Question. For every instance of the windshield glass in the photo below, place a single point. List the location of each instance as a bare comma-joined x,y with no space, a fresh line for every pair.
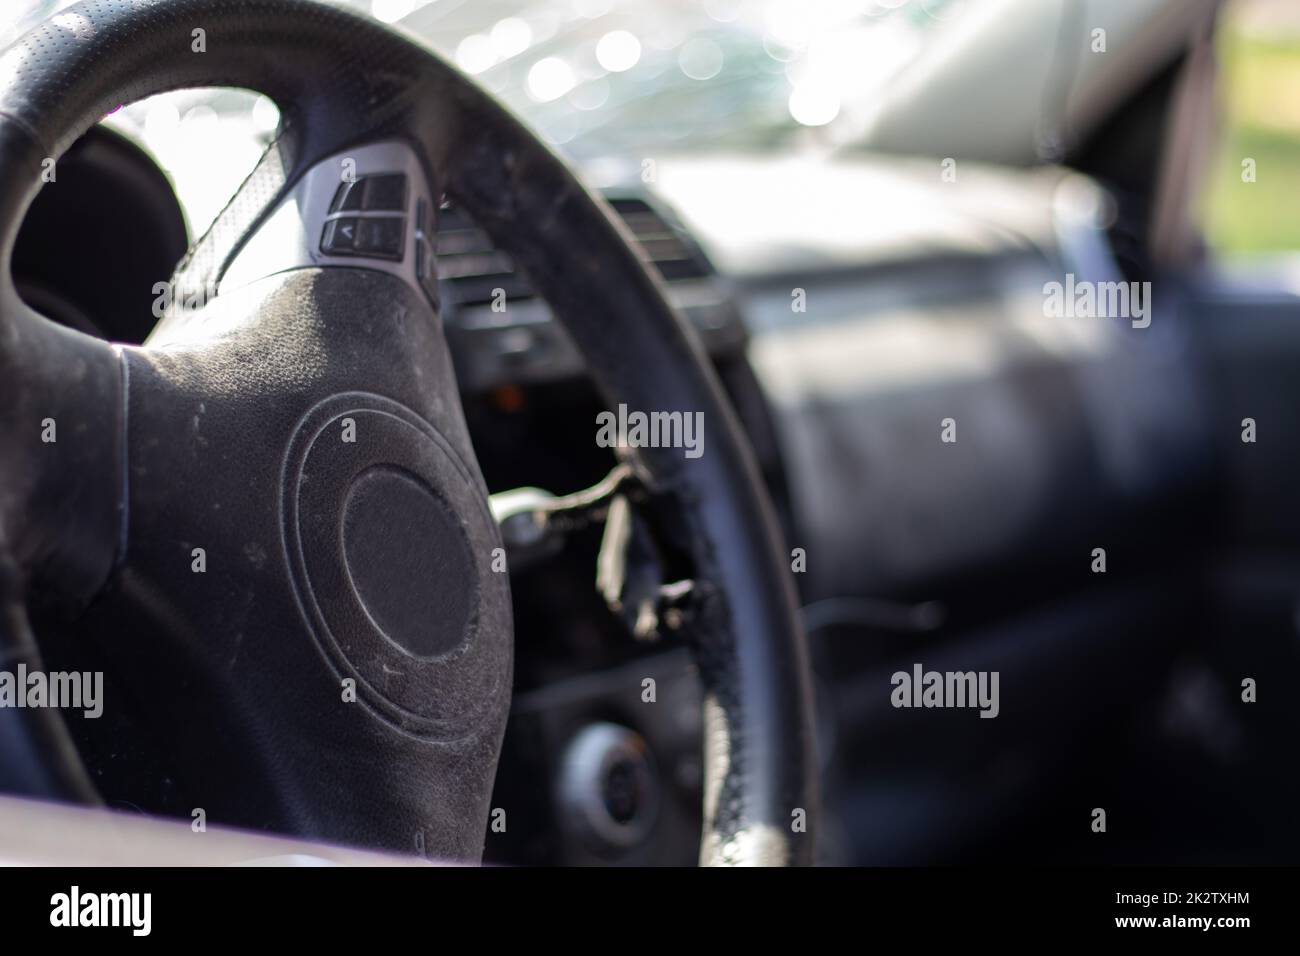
618,77
625,76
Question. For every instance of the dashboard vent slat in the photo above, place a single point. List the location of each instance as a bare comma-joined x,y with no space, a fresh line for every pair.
473,268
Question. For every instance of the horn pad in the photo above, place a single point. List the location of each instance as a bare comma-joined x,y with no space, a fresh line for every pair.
405,549
399,591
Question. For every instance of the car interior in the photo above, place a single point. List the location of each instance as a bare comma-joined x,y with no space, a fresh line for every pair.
565,653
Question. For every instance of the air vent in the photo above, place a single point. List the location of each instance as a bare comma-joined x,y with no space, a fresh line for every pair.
660,244
470,265
473,268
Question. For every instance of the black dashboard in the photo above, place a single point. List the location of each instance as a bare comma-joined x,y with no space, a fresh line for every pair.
845,346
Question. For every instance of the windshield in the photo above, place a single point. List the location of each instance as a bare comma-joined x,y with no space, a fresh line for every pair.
619,77
626,76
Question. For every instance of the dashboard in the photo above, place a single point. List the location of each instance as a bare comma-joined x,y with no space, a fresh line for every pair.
850,311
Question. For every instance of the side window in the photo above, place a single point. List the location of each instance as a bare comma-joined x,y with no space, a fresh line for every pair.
1251,202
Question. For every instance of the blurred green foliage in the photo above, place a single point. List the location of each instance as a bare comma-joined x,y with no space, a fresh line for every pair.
1259,115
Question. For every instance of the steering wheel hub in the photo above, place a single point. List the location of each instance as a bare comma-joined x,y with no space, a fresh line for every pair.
394,589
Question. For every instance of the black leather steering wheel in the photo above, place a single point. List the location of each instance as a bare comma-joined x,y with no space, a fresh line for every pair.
278,491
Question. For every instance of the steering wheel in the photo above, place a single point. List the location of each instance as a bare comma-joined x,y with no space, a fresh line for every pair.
275,498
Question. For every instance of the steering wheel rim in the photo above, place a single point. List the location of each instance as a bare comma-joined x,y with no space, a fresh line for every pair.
342,82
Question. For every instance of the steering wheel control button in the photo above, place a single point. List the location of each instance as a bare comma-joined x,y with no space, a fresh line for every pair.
425,273
374,193
373,221
423,266
340,237
385,237
348,197
609,788
373,234
385,193
380,237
